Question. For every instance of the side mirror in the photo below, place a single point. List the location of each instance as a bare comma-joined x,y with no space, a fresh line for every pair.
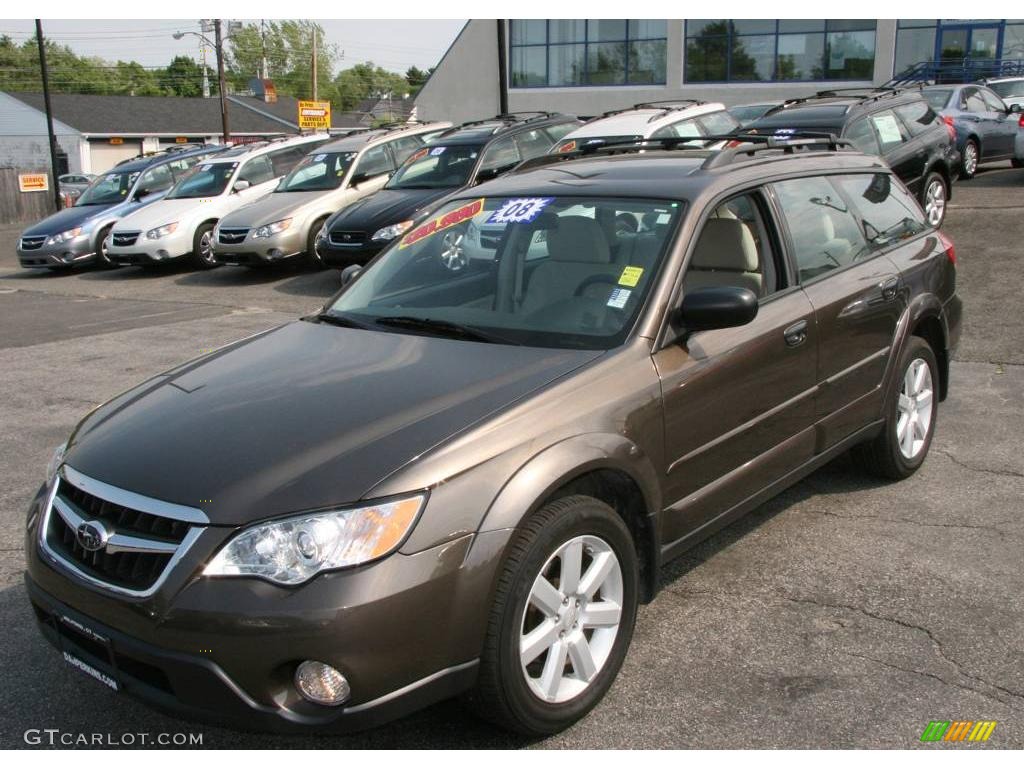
141,193
241,185
359,178
350,273
727,306
1015,109
486,174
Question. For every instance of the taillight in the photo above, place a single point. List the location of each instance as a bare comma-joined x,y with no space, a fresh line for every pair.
733,144
950,128
950,248
1020,122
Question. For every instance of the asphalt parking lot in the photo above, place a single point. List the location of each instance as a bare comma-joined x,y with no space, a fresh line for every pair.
846,612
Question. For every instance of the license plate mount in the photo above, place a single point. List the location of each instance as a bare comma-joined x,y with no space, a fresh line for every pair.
87,651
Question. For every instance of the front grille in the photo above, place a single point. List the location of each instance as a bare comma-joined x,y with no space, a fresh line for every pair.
123,239
130,567
237,258
130,258
32,243
347,238
232,236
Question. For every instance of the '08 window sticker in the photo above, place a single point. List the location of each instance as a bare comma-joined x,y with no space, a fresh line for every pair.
519,210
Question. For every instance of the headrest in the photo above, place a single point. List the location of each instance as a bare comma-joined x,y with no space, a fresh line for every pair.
578,239
726,244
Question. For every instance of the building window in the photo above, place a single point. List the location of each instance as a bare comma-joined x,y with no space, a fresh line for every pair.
572,52
765,50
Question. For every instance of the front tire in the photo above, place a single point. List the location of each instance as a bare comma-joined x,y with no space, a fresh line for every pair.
900,449
562,619
934,195
313,257
202,247
970,160
102,243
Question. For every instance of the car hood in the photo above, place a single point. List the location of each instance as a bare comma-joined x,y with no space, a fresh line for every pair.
159,213
69,218
270,208
302,417
388,206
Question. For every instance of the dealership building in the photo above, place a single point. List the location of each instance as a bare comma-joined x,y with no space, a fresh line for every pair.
587,66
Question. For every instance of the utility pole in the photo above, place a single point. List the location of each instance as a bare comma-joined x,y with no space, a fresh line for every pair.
263,44
205,26
502,69
49,113
314,63
223,84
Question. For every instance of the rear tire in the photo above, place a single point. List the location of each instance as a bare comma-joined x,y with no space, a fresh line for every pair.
582,619
934,194
901,447
970,160
202,247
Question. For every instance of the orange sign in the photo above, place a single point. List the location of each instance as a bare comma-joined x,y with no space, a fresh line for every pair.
117,140
449,219
33,182
315,114
181,140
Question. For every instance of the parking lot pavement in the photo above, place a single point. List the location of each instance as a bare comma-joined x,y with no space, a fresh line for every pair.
846,612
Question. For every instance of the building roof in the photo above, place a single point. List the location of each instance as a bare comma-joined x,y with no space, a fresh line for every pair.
163,115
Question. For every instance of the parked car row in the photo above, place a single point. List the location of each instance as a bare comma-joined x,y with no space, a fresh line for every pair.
339,201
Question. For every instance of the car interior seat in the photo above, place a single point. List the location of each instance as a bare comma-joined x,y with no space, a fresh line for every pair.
726,255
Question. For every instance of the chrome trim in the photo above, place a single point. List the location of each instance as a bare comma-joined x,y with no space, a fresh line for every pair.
128,499
117,542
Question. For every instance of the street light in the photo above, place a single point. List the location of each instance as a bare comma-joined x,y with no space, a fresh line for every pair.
218,46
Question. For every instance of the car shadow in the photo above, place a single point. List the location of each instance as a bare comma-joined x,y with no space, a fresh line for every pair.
236,276
996,176
319,284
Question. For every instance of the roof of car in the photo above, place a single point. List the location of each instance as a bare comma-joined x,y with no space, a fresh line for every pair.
360,139
482,131
828,109
262,147
643,119
1001,79
142,163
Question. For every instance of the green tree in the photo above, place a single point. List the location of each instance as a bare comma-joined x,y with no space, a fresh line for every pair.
183,77
289,46
364,81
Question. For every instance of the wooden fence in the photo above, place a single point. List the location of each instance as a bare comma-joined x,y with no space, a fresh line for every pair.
22,207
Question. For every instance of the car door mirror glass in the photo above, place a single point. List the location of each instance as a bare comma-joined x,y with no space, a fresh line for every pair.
725,306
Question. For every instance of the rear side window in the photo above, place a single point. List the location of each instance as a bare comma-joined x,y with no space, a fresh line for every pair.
863,136
257,171
500,155
973,101
555,132
283,160
917,116
405,146
993,102
890,131
719,123
887,211
682,129
824,234
533,143
374,162
156,179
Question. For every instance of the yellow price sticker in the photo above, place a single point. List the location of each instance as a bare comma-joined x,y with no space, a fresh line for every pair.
631,276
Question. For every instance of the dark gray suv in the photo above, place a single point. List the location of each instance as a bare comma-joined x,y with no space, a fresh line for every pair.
484,469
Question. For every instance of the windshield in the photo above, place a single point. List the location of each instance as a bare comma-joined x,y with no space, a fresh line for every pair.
318,173
436,168
1008,88
205,180
938,98
567,272
109,188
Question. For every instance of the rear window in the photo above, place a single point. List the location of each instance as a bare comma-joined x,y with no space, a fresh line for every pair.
1008,88
918,116
719,123
938,98
887,211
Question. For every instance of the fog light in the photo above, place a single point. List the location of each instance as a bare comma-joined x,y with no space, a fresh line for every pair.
275,253
322,684
163,254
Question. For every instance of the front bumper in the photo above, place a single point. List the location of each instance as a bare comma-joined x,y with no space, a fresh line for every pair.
144,251
264,250
72,253
406,631
341,256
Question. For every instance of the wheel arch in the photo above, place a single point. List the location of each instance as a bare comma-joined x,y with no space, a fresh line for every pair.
942,168
923,318
610,468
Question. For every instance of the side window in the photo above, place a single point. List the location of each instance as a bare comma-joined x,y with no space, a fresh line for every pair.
993,102
682,129
734,249
374,162
890,130
824,234
555,132
917,116
257,171
156,179
532,143
405,146
719,123
974,102
887,211
863,136
500,155
283,160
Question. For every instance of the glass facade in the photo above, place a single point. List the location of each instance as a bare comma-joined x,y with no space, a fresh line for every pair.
768,50
595,52
957,40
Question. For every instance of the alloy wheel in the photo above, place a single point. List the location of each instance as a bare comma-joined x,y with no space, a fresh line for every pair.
571,619
453,254
935,202
970,158
915,407
206,247
320,236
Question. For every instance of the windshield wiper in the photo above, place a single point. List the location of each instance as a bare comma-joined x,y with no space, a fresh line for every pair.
342,321
443,328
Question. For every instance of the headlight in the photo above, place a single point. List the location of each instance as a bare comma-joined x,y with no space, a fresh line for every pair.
63,237
272,229
296,549
162,231
392,231
55,461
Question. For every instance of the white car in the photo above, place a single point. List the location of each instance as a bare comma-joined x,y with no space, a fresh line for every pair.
181,224
654,120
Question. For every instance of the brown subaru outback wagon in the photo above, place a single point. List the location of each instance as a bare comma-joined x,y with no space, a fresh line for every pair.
463,474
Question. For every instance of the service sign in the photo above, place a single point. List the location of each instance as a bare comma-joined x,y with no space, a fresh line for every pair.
315,114
33,182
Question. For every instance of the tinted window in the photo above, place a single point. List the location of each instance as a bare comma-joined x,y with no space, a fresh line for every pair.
533,143
500,155
938,99
555,132
1009,88
321,171
283,160
825,236
918,116
109,188
156,179
993,102
682,129
863,136
257,170
890,131
436,167
886,209
719,123
405,146
207,180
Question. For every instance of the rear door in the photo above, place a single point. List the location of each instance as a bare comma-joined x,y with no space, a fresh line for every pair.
905,156
854,290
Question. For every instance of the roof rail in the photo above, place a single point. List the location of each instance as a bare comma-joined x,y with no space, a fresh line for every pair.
863,94
746,144
665,105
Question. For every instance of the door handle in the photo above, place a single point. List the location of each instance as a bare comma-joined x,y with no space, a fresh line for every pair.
796,334
889,288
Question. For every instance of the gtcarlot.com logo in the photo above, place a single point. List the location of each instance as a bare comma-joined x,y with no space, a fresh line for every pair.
958,730
54,737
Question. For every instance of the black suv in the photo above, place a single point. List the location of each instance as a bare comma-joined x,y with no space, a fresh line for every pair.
897,124
458,158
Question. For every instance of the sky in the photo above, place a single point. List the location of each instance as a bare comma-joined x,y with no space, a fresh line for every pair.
393,44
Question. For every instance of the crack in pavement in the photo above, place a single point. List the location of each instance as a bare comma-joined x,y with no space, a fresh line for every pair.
936,644
972,468
994,527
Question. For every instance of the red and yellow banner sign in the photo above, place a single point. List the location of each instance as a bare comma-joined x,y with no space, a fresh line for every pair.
33,182
442,222
314,114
